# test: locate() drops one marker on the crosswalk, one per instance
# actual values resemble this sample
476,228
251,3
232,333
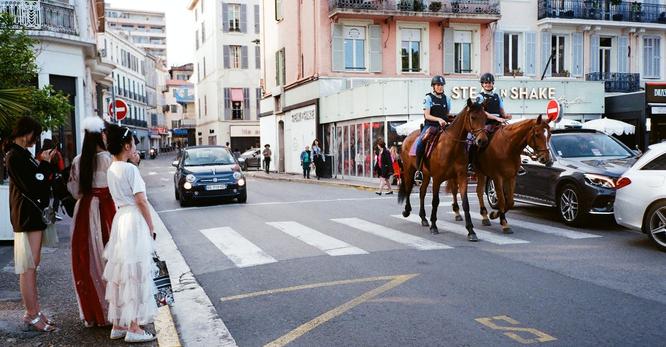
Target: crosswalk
243,252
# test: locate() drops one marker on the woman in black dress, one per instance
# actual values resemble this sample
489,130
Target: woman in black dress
383,167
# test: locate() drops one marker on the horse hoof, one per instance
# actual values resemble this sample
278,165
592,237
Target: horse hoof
405,214
507,230
472,238
459,218
434,231
486,222
424,223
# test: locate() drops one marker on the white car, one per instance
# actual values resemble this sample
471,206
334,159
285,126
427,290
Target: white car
640,200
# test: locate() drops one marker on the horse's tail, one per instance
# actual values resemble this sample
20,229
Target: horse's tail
402,192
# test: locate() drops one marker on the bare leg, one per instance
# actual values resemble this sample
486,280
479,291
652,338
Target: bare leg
28,279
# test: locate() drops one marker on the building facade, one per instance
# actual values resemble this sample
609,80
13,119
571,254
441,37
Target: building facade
227,72
147,30
179,106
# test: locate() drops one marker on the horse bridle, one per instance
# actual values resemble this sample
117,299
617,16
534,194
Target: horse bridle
536,149
473,131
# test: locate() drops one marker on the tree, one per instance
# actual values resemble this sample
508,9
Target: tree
19,95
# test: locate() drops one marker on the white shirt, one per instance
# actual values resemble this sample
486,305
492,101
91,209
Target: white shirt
124,182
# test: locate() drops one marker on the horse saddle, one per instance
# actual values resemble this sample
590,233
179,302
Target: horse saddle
429,140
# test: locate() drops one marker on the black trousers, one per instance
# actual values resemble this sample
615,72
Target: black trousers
267,164
306,171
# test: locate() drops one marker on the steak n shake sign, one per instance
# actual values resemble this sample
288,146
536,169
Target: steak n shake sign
514,93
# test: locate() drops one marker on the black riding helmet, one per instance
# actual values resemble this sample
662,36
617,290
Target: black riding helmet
437,80
487,77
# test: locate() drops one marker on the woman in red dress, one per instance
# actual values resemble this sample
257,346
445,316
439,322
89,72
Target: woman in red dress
93,216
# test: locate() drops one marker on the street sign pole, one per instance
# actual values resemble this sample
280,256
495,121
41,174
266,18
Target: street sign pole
113,98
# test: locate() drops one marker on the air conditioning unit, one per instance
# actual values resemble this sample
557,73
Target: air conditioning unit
102,53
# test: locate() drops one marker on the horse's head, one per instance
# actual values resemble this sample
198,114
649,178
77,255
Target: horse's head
538,140
476,121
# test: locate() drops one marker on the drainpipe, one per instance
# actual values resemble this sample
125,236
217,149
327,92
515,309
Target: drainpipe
298,43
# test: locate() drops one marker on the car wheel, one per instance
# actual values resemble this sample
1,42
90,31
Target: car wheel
570,206
491,194
655,224
184,202
242,198
176,194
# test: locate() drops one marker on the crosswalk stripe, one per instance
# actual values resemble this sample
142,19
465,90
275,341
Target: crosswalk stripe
330,245
391,234
460,229
546,229
238,249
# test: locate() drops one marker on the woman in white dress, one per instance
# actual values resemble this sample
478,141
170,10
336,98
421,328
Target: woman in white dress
129,269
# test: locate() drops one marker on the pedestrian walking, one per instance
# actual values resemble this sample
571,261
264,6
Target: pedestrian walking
306,161
395,160
267,157
57,164
29,190
129,268
318,158
93,216
383,167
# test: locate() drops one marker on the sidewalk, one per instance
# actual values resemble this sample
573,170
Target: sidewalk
58,301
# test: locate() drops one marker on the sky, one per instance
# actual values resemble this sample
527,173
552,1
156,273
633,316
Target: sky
180,39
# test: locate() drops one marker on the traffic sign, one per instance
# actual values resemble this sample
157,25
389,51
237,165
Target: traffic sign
554,111
121,109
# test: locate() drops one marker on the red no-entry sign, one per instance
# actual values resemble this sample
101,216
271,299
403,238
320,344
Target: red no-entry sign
553,111
121,109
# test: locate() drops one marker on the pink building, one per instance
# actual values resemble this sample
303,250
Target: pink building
312,49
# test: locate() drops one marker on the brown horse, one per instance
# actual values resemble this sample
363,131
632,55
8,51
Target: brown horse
500,161
447,162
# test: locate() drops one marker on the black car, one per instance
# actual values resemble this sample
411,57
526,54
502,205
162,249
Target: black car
581,180
250,158
208,172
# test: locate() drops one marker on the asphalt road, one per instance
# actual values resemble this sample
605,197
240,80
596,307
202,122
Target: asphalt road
314,265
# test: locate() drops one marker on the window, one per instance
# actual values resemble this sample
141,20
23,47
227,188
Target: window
233,15
203,32
257,57
511,49
651,60
174,108
280,73
463,51
236,110
354,48
605,45
204,67
410,50
658,163
205,105
278,10
236,55
558,46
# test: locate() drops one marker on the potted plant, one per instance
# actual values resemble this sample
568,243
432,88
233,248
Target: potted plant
405,5
435,6
516,72
418,5
636,11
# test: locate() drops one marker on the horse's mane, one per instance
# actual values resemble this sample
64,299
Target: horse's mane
465,111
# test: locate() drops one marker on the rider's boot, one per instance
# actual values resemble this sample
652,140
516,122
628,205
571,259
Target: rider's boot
418,175
470,161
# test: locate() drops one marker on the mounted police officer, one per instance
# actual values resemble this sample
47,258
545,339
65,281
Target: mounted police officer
436,110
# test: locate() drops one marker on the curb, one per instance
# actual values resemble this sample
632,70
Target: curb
326,181
165,328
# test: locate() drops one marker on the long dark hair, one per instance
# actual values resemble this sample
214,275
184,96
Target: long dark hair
26,125
88,160
117,137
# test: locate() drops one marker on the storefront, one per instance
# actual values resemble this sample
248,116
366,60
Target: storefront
655,109
244,137
629,108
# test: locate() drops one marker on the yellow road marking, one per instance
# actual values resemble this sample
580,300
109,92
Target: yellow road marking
165,329
511,330
309,286
305,328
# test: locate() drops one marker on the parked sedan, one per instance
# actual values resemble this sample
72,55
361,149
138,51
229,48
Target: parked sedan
581,180
250,158
207,172
640,202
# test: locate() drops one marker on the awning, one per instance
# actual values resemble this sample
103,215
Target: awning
237,94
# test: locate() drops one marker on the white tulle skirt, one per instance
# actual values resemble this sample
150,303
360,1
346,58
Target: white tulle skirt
129,269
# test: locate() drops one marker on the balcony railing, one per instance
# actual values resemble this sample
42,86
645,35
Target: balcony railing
616,81
471,7
627,11
42,15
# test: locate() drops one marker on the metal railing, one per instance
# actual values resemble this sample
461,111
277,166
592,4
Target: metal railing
485,7
42,15
627,11
616,81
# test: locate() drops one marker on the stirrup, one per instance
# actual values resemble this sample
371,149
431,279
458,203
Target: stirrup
418,177
470,169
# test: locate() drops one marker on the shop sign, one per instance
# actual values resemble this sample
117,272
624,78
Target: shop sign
302,116
655,92
244,131
658,110
513,93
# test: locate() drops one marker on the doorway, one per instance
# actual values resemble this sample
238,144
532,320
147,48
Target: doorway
280,167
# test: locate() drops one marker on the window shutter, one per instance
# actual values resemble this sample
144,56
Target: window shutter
338,59
258,101
449,52
225,18
243,18
375,48
277,68
623,52
656,61
546,52
256,19
499,53
530,58
577,64
257,57
243,57
246,104
594,53
225,50
227,104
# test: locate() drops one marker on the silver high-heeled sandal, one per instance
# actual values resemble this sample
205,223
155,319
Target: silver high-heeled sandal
31,324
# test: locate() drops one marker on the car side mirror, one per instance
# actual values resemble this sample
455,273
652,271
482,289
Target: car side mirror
175,163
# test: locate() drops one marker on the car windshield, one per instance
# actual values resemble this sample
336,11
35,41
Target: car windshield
208,156
249,152
588,145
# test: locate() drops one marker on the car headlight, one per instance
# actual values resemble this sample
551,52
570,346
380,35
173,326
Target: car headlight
599,181
241,182
190,178
187,185
237,175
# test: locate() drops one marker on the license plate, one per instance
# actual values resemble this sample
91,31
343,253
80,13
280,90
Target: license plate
216,187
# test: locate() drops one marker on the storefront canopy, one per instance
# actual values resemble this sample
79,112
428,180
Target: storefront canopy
610,126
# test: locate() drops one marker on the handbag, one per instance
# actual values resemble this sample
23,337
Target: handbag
47,213
164,295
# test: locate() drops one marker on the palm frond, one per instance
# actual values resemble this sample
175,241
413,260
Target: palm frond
13,103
